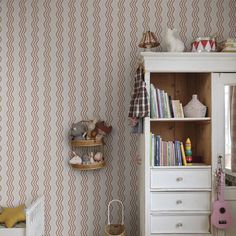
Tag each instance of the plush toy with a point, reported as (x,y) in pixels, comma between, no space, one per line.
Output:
(76,159)
(77,131)
(91,132)
(12,215)
(173,43)
(102,129)
(91,156)
(86,159)
(98,157)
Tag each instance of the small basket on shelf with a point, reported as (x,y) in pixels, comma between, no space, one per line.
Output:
(86,140)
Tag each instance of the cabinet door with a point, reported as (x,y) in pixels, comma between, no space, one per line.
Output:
(221,83)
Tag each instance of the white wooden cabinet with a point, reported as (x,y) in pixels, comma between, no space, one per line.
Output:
(178,200)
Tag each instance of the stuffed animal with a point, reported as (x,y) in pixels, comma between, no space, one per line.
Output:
(102,129)
(173,43)
(76,159)
(91,155)
(86,159)
(98,157)
(91,132)
(77,131)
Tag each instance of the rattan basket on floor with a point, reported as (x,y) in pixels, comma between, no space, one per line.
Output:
(115,229)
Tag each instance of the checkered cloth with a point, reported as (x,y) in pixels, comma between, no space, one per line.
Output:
(139,102)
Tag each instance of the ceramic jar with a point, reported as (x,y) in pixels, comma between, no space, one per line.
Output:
(195,108)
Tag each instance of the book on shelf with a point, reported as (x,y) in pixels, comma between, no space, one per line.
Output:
(177,109)
(159,103)
(153,112)
(166,153)
(183,154)
(162,105)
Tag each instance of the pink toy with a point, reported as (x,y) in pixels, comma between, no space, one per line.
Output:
(221,217)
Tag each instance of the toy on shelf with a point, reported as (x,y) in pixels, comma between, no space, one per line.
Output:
(188,151)
(86,140)
(77,131)
(76,159)
(173,43)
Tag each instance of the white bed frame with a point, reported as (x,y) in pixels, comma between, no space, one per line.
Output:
(34,222)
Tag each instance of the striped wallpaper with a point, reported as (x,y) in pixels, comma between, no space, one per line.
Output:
(63,61)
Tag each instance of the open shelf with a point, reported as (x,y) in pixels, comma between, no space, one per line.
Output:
(203,119)
(182,86)
(89,166)
(193,166)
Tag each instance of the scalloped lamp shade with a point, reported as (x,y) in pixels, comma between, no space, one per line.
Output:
(149,40)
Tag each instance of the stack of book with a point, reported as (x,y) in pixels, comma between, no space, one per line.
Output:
(162,106)
(228,45)
(166,153)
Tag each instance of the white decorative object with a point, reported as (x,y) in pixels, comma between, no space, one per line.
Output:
(91,155)
(76,159)
(98,156)
(173,43)
(195,108)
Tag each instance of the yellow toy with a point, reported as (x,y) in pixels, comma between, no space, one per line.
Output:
(188,151)
(12,215)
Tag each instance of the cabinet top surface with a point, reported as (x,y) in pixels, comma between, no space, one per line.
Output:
(189,62)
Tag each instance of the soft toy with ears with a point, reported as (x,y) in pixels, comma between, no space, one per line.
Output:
(173,43)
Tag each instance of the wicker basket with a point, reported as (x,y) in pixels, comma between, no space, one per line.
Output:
(115,229)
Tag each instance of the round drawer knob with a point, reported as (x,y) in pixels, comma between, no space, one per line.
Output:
(178,202)
(179,225)
(179,179)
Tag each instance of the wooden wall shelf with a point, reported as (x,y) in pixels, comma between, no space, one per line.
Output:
(89,166)
(87,143)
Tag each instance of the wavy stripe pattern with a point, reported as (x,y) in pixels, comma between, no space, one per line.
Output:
(97,108)
(35,99)
(170,14)
(158,21)
(220,19)
(10,106)
(195,16)
(121,108)
(46,114)
(208,19)
(22,100)
(183,21)
(133,142)
(59,117)
(64,61)
(1,159)
(232,17)
(109,98)
(71,112)
(84,107)
(146,12)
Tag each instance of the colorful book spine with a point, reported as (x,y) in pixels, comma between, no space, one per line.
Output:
(159,103)
(183,154)
(171,107)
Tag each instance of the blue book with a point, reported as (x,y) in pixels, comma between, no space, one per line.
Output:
(159,103)
(179,154)
(158,150)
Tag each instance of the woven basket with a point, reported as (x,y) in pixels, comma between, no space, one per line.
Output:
(115,229)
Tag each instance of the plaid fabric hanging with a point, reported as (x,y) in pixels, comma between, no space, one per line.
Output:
(139,102)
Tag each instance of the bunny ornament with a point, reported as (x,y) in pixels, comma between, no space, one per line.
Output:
(173,43)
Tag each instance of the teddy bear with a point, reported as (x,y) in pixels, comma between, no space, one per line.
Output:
(77,131)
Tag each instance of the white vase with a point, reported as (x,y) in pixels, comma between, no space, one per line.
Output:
(195,108)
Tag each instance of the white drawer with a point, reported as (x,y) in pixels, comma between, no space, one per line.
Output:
(181,178)
(180,201)
(186,224)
